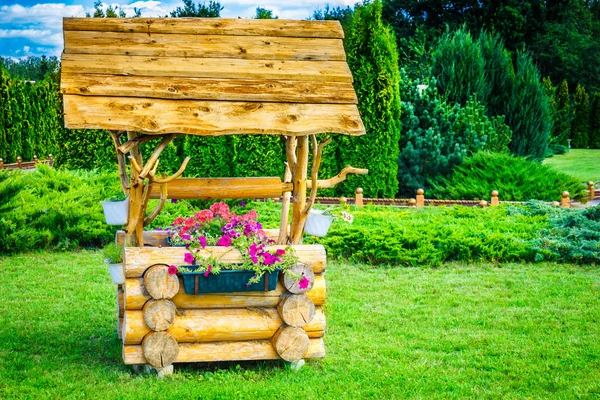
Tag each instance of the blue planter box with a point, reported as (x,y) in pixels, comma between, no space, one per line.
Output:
(227,281)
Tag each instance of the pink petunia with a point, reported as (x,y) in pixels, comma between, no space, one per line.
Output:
(252,250)
(208,269)
(173,270)
(178,221)
(280,252)
(270,259)
(186,236)
(189,258)
(225,240)
(303,283)
(202,240)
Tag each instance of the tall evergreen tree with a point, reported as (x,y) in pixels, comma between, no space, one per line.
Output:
(594,141)
(564,114)
(373,60)
(212,10)
(581,120)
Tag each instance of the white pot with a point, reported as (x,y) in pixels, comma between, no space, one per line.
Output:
(116,212)
(317,224)
(116,272)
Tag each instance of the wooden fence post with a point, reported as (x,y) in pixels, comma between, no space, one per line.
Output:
(19,162)
(35,160)
(591,190)
(565,202)
(358,197)
(495,201)
(50,160)
(1,163)
(483,204)
(412,203)
(420,198)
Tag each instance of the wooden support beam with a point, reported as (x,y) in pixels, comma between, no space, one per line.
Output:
(299,180)
(331,182)
(223,188)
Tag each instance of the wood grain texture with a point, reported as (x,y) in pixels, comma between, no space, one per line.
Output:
(137,259)
(135,296)
(159,238)
(209,118)
(211,325)
(159,314)
(232,68)
(223,188)
(296,310)
(209,26)
(160,349)
(223,351)
(291,343)
(203,46)
(181,88)
(159,283)
(292,284)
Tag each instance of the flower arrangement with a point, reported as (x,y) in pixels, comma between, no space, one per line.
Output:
(218,226)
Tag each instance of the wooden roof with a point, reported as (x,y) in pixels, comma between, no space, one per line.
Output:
(207,76)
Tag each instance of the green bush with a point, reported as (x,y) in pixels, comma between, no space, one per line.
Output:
(516,179)
(581,120)
(595,122)
(573,236)
(430,236)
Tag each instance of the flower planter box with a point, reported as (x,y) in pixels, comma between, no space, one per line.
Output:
(227,281)
(116,212)
(317,224)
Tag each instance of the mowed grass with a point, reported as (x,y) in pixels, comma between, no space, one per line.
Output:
(580,163)
(461,331)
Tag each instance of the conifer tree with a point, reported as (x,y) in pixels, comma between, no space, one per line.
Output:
(564,115)
(594,141)
(373,60)
(581,119)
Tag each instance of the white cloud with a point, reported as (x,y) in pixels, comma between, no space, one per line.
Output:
(26,49)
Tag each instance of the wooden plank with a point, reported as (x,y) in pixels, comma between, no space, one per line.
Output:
(159,238)
(137,259)
(209,118)
(223,188)
(314,71)
(223,351)
(209,89)
(215,325)
(208,46)
(135,296)
(209,26)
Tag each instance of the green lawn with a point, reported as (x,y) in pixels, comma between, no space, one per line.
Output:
(461,331)
(582,164)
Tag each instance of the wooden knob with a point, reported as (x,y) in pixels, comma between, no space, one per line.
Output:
(412,202)
(482,203)
(420,192)
(343,200)
(590,184)
(494,193)
(359,190)
(555,204)
(565,194)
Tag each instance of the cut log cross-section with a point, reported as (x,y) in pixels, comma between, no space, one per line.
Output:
(298,279)
(159,283)
(159,315)
(160,349)
(296,310)
(291,343)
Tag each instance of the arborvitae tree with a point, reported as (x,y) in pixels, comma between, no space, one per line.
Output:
(564,115)
(373,60)
(5,113)
(458,65)
(529,112)
(595,122)
(581,119)
(500,74)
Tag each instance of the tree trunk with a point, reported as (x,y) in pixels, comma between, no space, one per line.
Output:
(296,310)
(160,349)
(159,283)
(291,343)
(159,315)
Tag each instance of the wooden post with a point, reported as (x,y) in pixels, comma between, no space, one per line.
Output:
(290,151)
(358,198)
(483,204)
(591,190)
(555,204)
(495,201)
(19,162)
(1,163)
(50,160)
(343,201)
(565,202)
(420,198)
(35,159)
(135,227)
(412,203)
(299,180)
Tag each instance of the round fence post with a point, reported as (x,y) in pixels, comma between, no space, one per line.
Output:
(35,160)
(50,160)
(591,190)
(483,204)
(358,197)
(420,198)
(495,200)
(1,163)
(412,203)
(19,162)
(555,204)
(565,202)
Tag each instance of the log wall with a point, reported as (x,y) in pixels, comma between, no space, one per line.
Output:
(160,324)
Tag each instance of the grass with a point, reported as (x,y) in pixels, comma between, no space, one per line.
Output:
(582,164)
(460,331)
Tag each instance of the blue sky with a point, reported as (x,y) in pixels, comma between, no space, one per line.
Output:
(33,28)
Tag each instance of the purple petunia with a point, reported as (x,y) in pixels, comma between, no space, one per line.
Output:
(186,236)
(270,259)
(224,241)
(202,240)
(303,283)
(188,258)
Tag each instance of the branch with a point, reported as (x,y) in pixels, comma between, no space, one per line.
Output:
(314,171)
(159,206)
(290,151)
(175,175)
(116,138)
(135,165)
(154,157)
(331,182)
(136,141)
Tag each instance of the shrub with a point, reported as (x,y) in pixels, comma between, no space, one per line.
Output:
(408,237)
(516,179)
(595,122)
(581,121)
(564,115)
